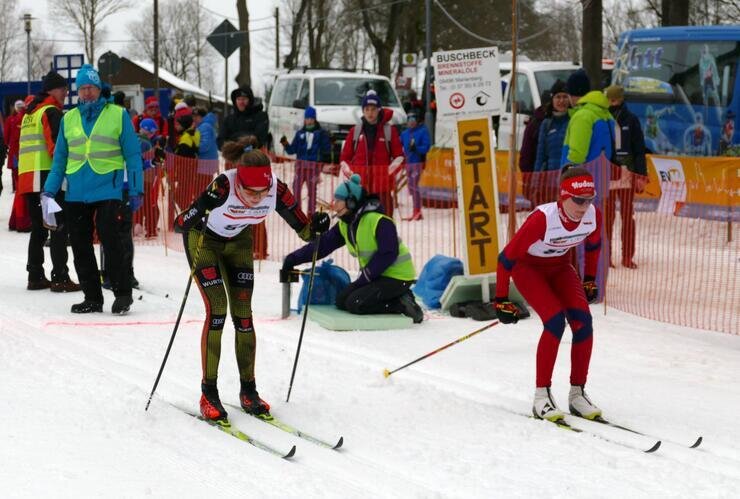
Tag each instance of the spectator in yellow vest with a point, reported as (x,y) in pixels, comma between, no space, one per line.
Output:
(97,151)
(38,135)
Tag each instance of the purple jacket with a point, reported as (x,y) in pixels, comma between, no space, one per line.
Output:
(528,153)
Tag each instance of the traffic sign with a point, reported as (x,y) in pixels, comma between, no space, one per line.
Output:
(226,38)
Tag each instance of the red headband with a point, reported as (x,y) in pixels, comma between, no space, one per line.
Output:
(255,176)
(579,187)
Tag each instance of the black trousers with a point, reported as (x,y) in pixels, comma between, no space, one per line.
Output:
(58,243)
(380,296)
(127,239)
(110,220)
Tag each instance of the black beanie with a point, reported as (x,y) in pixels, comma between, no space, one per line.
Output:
(578,84)
(53,80)
(186,121)
(558,88)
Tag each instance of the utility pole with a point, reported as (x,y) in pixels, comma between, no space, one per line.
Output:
(277,38)
(27,25)
(156,49)
(428,50)
(512,139)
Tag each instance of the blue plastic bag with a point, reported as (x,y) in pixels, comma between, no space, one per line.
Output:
(329,280)
(434,278)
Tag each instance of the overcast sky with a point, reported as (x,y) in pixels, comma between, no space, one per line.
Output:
(117,36)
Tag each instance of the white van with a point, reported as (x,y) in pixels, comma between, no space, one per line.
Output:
(335,94)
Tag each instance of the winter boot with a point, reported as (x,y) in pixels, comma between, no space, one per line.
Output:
(65,285)
(408,307)
(544,405)
(210,403)
(121,305)
(36,284)
(580,405)
(86,307)
(251,401)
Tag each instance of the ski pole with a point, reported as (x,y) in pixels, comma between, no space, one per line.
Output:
(179,314)
(387,373)
(305,314)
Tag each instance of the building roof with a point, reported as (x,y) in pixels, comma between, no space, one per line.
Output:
(176,82)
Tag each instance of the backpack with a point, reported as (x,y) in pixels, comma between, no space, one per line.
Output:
(386,133)
(328,281)
(434,278)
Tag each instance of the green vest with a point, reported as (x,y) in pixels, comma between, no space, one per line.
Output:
(367,245)
(102,149)
(32,153)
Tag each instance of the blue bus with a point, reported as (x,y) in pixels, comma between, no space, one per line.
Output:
(682,83)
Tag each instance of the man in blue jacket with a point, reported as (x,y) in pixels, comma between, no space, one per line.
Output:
(96,151)
(309,143)
(416,143)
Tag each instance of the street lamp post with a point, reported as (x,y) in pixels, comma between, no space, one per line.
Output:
(27,25)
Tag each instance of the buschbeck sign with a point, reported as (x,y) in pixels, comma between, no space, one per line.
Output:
(477,195)
(467,82)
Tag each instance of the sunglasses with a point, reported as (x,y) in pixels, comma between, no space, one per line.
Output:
(582,201)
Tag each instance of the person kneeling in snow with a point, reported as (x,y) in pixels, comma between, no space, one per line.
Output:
(538,259)
(387,271)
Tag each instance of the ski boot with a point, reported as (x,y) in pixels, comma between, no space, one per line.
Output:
(580,405)
(544,406)
(250,400)
(408,307)
(210,403)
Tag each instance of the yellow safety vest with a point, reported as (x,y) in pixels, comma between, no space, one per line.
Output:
(366,245)
(32,153)
(102,149)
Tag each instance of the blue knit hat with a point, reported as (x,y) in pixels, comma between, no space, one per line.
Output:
(310,112)
(578,84)
(371,99)
(149,125)
(350,188)
(87,75)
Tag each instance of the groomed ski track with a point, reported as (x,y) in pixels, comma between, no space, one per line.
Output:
(74,424)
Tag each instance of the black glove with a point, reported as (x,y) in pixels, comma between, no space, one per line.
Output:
(590,288)
(506,311)
(288,273)
(284,141)
(320,222)
(211,198)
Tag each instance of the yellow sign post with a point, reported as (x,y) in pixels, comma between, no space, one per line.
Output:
(477,195)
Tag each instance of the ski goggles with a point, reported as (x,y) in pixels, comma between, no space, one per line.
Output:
(581,201)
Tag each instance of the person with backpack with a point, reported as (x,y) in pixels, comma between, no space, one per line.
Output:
(309,143)
(218,234)
(550,145)
(387,270)
(416,143)
(374,151)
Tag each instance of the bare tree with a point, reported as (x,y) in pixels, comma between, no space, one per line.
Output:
(382,31)
(244,77)
(87,17)
(623,15)
(11,39)
(42,57)
(592,41)
(675,12)
(297,9)
(183,49)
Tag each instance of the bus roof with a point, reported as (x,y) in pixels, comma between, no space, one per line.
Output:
(683,33)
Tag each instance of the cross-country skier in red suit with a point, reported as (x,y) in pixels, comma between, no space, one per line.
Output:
(537,259)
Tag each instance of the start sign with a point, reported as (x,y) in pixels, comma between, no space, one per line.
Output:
(477,195)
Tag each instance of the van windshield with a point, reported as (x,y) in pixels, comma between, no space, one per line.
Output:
(546,79)
(349,91)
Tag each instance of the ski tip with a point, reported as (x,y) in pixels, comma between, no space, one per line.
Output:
(654,447)
(386,373)
(339,443)
(697,443)
(290,453)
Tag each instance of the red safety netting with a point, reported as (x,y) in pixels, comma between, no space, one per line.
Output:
(679,237)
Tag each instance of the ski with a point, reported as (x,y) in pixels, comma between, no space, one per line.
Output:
(278,423)
(564,425)
(229,429)
(606,422)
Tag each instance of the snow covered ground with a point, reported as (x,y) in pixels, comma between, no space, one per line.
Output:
(74,390)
